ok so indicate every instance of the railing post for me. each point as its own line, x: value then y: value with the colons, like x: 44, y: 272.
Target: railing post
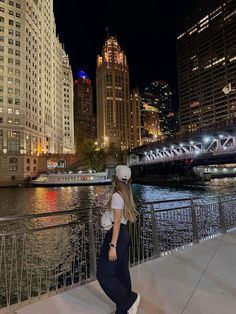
x: 92, y: 251
x: 223, y: 228
x: 156, y: 247
x: 194, y: 223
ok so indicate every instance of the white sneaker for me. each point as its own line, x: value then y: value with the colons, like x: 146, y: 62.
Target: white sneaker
x: 134, y: 307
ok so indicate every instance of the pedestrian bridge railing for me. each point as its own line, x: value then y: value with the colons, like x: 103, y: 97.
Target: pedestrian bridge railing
x: 46, y: 253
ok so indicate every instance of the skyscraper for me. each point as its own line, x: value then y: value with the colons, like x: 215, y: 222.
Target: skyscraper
x: 158, y: 95
x: 206, y: 47
x: 135, y: 119
x: 113, y: 96
x: 85, y: 122
x: 36, y: 88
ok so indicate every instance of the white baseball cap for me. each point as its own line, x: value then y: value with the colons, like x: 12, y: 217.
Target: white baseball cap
x: 123, y: 173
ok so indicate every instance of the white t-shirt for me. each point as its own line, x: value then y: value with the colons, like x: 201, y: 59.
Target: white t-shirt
x: 117, y: 202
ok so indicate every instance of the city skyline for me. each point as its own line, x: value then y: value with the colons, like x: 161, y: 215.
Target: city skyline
x: 147, y: 35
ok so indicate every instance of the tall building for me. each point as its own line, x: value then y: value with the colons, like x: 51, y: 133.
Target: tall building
x: 113, y: 96
x: 150, y: 116
x: 35, y: 88
x: 68, y: 116
x: 206, y: 47
x: 135, y: 119
x: 159, y: 96
x: 85, y: 122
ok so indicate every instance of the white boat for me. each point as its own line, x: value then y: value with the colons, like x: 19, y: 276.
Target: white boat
x: 67, y: 179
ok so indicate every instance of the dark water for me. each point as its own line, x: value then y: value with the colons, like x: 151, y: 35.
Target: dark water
x: 36, y: 255
x: 15, y: 201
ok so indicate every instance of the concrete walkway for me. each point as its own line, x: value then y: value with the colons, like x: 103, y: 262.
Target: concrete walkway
x: 198, y: 280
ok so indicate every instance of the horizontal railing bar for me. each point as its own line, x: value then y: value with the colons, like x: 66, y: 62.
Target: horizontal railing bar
x: 40, y: 229
x: 166, y: 201
x: 164, y: 210
x: 40, y: 215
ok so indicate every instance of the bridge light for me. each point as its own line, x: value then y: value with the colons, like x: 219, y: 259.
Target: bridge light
x: 150, y: 152
x: 145, y: 153
x: 191, y: 142
x: 164, y: 148
x: 221, y: 136
x: 157, y: 150
x: 196, y: 152
x: 181, y: 144
x: 206, y: 139
x: 172, y: 146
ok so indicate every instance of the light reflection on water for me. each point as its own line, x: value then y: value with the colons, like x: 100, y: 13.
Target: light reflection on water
x: 15, y: 201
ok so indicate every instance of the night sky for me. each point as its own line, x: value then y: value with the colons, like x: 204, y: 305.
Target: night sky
x: 146, y: 32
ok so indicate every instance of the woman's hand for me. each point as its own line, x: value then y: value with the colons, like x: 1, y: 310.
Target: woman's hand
x: 112, y: 254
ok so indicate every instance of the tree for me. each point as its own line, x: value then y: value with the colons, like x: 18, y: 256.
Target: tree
x: 93, y: 157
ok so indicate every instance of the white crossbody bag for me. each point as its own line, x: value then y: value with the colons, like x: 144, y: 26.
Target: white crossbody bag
x: 106, y: 221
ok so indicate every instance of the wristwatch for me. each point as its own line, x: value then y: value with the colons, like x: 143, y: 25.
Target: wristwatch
x: 113, y: 245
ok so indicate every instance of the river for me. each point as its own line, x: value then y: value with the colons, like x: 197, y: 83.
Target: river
x: 27, y: 200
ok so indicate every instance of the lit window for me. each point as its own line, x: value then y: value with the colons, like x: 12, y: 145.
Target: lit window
x: 10, y: 80
x: 9, y: 110
x: 2, y: 9
x: 10, y: 70
x: 17, y: 111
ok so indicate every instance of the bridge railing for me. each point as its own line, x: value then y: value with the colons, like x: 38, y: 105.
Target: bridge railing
x: 43, y: 254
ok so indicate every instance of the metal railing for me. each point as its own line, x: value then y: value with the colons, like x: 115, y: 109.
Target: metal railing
x: 46, y: 253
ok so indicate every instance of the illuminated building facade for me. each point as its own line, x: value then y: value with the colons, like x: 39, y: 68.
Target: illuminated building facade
x: 150, y: 123
x: 113, y: 96
x: 85, y: 122
x: 34, y: 73
x: 206, y: 48
x: 135, y: 119
x: 159, y: 96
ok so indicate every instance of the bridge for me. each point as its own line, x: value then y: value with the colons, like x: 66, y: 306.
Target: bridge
x: 177, y: 160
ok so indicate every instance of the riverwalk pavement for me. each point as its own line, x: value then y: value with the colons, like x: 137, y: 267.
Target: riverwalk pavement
x: 200, y: 279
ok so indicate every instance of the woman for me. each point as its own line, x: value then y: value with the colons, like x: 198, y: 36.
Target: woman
x: 113, y: 265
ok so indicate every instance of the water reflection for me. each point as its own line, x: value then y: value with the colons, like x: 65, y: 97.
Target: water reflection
x: 15, y: 201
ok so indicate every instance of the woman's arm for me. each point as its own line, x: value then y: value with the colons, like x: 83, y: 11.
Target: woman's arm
x: 115, y: 234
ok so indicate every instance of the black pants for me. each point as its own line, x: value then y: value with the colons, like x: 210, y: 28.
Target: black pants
x: 114, y: 277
